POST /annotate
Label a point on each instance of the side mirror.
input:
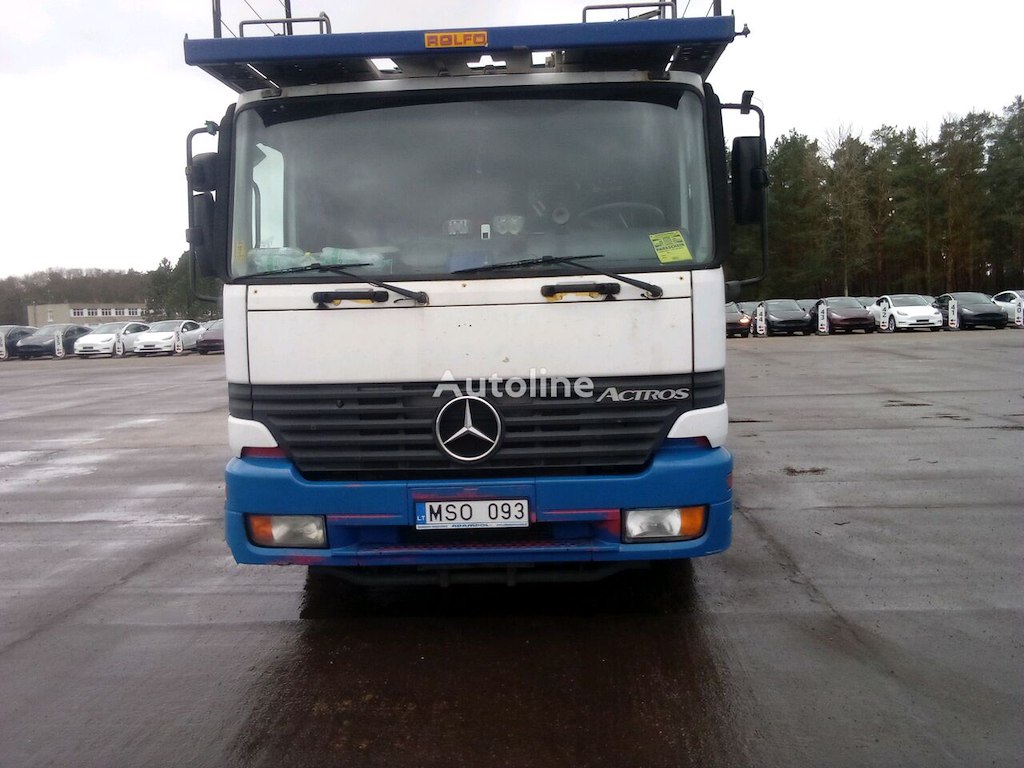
(206, 177)
(749, 179)
(732, 290)
(202, 173)
(200, 233)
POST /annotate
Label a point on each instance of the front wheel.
(892, 324)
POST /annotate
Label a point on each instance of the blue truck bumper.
(572, 519)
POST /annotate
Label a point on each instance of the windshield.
(844, 302)
(972, 298)
(425, 185)
(164, 325)
(51, 329)
(782, 305)
(909, 300)
(108, 328)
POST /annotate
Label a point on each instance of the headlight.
(287, 531)
(668, 523)
(901, 313)
(744, 320)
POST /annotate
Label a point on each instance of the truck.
(473, 293)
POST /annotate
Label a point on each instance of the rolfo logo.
(537, 384)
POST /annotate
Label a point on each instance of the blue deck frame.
(687, 44)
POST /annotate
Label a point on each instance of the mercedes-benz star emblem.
(468, 428)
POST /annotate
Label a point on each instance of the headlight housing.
(663, 523)
(305, 531)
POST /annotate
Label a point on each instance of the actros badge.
(468, 428)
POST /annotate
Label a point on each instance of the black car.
(11, 335)
(974, 310)
(212, 339)
(846, 314)
(42, 343)
(737, 322)
(786, 316)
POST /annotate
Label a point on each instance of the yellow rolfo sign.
(464, 39)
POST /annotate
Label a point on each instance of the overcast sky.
(98, 99)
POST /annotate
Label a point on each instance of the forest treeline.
(165, 291)
(896, 213)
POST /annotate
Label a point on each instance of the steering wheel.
(622, 214)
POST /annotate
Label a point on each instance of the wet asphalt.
(869, 611)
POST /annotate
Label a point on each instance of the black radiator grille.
(386, 431)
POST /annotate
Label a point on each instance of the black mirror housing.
(749, 179)
(200, 234)
(202, 173)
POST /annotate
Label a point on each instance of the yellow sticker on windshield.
(670, 246)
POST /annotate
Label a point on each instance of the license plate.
(476, 513)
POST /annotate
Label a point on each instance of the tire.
(892, 324)
(869, 330)
(203, 351)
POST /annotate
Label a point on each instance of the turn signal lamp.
(664, 524)
(307, 531)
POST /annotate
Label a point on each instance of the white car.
(1007, 301)
(165, 335)
(906, 310)
(103, 339)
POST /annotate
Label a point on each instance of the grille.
(386, 431)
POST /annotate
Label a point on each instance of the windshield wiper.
(651, 291)
(420, 297)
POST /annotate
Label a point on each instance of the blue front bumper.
(573, 519)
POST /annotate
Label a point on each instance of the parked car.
(845, 314)
(212, 338)
(786, 316)
(973, 310)
(162, 337)
(42, 343)
(737, 322)
(103, 339)
(11, 334)
(1007, 301)
(906, 310)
